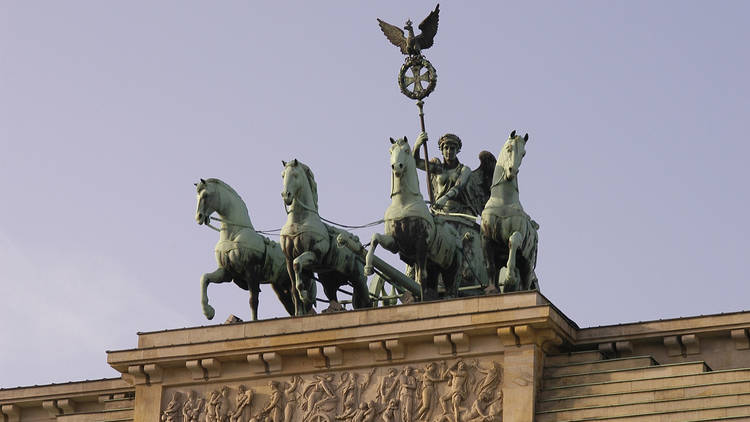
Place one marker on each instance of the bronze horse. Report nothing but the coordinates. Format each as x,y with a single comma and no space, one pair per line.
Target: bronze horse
509,235
420,238
310,246
243,255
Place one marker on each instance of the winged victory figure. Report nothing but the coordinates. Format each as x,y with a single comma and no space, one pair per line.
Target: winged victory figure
410,44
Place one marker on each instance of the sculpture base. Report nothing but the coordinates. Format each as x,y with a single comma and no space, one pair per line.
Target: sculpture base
512,357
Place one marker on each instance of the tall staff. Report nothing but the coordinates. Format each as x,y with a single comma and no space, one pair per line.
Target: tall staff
420,69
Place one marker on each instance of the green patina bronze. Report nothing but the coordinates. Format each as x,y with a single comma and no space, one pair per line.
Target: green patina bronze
243,255
447,252
311,247
509,235
421,239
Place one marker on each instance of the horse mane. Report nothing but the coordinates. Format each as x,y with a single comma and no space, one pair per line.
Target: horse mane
313,184
229,189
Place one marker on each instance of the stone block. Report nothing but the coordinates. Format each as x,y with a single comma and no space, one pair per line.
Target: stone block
257,365
672,343
334,355
273,360
378,350
51,407
741,339
212,367
154,372
442,341
195,368
67,406
691,343
396,348
460,342
136,372
507,336
12,412
315,354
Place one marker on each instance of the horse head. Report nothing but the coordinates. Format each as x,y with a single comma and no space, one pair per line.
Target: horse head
400,156
215,196
206,201
512,154
403,169
299,182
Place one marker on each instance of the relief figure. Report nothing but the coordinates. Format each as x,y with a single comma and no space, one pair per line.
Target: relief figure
486,409
192,408
391,411
172,412
430,377
387,386
244,401
407,390
319,396
458,376
216,409
492,376
353,415
352,390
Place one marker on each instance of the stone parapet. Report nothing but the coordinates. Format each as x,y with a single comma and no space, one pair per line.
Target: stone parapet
460,354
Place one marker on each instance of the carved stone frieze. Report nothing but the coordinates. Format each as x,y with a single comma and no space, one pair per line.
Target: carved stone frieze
440,391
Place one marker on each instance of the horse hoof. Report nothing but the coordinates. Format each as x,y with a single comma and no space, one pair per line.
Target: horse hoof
333,307
209,312
429,295
369,270
491,290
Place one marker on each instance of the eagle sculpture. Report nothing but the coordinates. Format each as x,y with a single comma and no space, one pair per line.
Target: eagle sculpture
410,44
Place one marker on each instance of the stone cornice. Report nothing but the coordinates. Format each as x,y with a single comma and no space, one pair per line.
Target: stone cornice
719,323
70,390
363,329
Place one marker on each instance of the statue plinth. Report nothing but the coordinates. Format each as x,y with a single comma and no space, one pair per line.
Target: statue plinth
478,352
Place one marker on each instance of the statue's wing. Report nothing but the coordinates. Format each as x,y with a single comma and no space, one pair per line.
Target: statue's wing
394,34
429,28
478,189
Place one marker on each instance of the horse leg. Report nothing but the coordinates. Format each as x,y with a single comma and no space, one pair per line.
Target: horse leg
298,306
331,284
511,277
388,242
489,248
527,266
450,276
300,264
254,290
219,276
282,288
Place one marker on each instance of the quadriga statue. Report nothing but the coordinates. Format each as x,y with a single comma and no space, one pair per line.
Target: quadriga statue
243,255
310,246
509,235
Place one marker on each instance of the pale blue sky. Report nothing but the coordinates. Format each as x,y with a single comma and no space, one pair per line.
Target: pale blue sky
110,111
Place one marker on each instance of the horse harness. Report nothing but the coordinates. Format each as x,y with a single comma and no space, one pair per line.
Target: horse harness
265,266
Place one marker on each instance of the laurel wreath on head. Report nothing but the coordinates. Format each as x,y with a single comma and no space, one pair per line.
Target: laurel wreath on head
421,63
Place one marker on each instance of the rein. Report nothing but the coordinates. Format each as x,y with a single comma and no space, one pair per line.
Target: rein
225,221
309,208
